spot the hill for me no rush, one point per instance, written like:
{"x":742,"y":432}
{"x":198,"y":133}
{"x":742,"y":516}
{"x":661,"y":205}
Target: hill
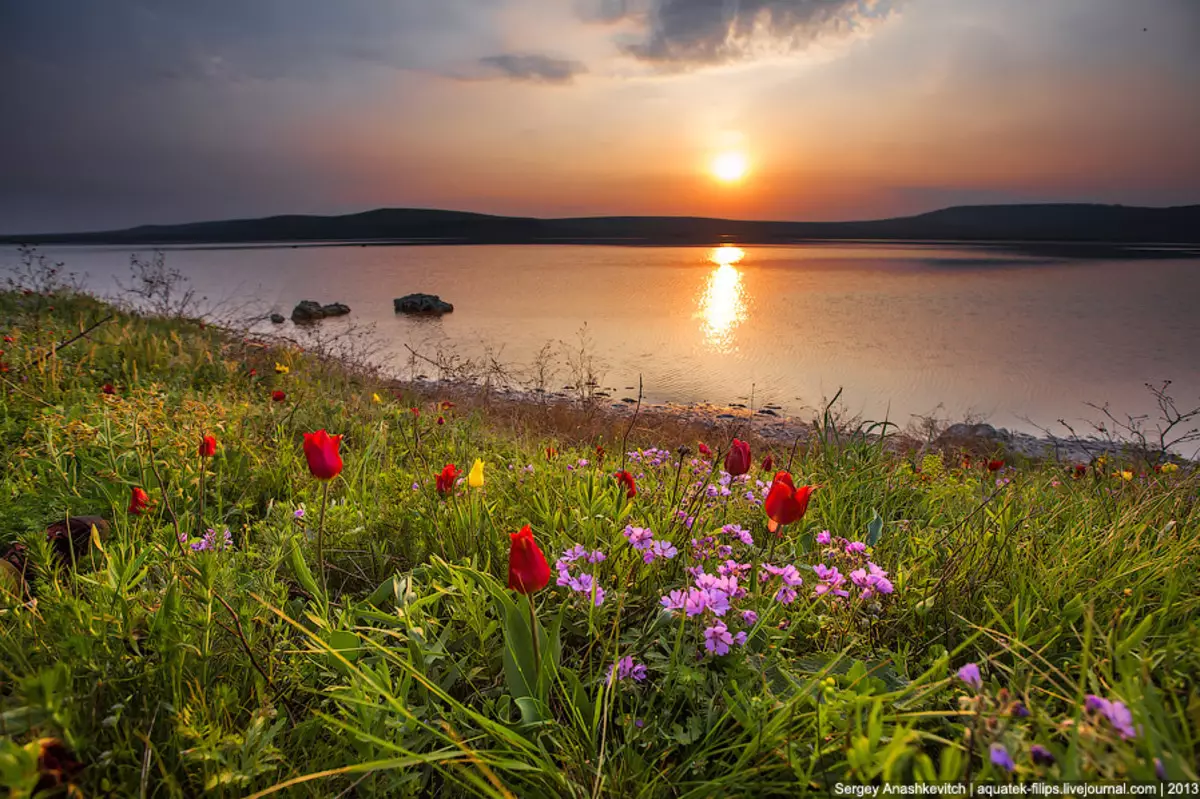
{"x":1002,"y":223}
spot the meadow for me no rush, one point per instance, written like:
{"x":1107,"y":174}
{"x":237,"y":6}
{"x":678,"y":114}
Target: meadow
{"x":421,"y":601}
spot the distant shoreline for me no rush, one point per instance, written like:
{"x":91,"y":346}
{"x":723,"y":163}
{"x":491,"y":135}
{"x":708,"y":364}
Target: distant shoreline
{"x":1049,"y":223}
{"x":1055,"y":249}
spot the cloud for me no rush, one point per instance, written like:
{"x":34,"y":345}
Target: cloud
{"x":686,"y":33}
{"x":530,"y":67}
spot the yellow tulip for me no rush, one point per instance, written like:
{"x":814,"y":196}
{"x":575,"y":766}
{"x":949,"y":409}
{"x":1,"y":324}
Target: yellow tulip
{"x":1167,"y":468}
{"x":1124,"y":475}
{"x":375,"y":398}
{"x":475,"y":478}
{"x":280,"y":369}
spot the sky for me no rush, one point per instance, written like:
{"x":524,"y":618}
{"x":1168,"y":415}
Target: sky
{"x":133,"y":112}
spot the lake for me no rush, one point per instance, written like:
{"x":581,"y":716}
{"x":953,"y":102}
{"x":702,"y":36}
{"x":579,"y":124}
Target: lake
{"x":902,"y":329}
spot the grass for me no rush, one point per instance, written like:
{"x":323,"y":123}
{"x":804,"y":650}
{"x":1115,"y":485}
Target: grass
{"x":133,"y":665}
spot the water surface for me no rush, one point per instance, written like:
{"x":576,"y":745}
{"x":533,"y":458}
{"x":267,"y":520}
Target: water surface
{"x":901,"y":328}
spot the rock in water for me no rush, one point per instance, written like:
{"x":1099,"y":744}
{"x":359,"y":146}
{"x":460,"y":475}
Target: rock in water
{"x":278,"y":318}
{"x":335,"y":309}
{"x":307,"y":311}
{"x":422,"y":303}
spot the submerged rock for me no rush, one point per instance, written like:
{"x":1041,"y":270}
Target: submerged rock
{"x":278,"y":318}
{"x":307,"y":311}
{"x":422,"y":303}
{"x":335,"y":309}
{"x":312,"y":311}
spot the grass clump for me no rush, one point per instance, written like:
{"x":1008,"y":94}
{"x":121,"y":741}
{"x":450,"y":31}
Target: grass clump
{"x":916,"y":622}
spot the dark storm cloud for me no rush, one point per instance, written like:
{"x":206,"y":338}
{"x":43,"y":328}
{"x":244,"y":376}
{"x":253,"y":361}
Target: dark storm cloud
{"x":263,"y":39}
{"x":697,"y":32}
{"x":531,"y":67}
{"x":148,"y":110}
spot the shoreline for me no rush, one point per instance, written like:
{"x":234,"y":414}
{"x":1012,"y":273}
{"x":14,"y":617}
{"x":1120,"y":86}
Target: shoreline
{"x":772,"y":427}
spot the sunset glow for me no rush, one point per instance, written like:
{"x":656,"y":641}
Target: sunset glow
{"x":791,"y":110}
{"x":729,"y":167}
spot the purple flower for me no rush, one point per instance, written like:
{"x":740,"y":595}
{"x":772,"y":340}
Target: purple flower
{"x":585,"y":584}
{"x":875,"y":582}
{"x":1041,"y":755}
{"x":696,"y":602}
{"x":1020,"y":711}
{"x":718,"y":601}
{"x":855,"y":547}
{"x":823,"y":537}
{"x":298,"y":513}
{"x":830,"y":579}
{"x":785,"y":595}
{"x":596,"y":556}
{"x":717,"y":639}
{"x":1117,"y":713}
{"x":639,"y":537}
{"x":1000,"y":757}
{"x":573,"y":554}
{"x":659,"y":549}
{"x":674,"y":600}
{"x":627,"y":669}
{"x":791,"y":576}
{"x":1160,"y":770}
{"x":750,"y":617}
{"x":969,"y":674}
{"x":740,"y":638}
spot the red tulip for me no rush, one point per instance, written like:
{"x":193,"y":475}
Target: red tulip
{"x":415,"y":411}
{"x":108,"y":389}
{"x":785,"y":503}
{"x":445,"y":480}
{"x":447,"y":405}
{"x":737,"y":460}
{"x":551,"y":453}
{"x":600,"y":452}
{"x":704,"y":450}
{"x":995,"y":465}
{"x":9,"y":339}
{"x":321,"y":451}
{"x":625,"y":479}
{"x":441,"y":420}
{"x":768,"y":463}
{"x":254,"y":373}
{"x":528,"y":570}
{"x":139,"y":500}
{"x":1080,"y":470}
{"x":208,"y":446}
{"x":278,"y":396}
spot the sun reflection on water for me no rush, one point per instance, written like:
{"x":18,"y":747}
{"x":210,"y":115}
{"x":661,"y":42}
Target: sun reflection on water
{"x":723,"y":303}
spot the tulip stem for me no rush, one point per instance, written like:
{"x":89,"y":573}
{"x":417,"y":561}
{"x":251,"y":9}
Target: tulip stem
{"x":321,"y":539}
{"x":533,"y":627}
{"x":200,"y":518}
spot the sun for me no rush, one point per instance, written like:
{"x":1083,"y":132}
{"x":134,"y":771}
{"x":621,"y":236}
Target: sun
{"x":729,"y":167}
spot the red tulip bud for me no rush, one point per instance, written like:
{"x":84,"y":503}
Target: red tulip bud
{"x":528,"y":570}
{"x":139,"y":500}
{"x":208,"y":446}
{"x":321,"y":451}
{"x":626,"y":481}
{"x":737,"y":461}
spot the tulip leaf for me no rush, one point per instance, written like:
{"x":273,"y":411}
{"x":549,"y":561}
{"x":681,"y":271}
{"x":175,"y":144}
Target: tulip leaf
{"x":345,"y":643}
{"x":301,"y":571}
{"x":874,"y":528}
